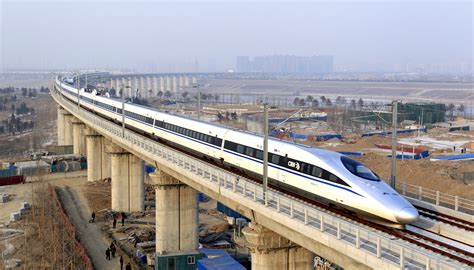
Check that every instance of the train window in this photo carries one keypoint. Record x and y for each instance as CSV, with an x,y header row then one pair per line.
x,y
316,171
359,169
250,151
240,148
275,159
218,142
332,178
259,154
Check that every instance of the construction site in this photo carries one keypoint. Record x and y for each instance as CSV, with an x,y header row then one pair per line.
x,y
46,221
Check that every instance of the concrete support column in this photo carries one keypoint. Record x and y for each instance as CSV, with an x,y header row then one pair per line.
x,y
142,87
272,251
68,129
94,155
175,84
105,160
129,89
128,187
195,80
135,84
186,80
118,83
155,87
176,214
61,125
120,181
79,143
162,84
168,83
181,82
149,88
136,184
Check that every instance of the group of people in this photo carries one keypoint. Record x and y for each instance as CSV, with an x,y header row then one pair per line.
x,y
111,250
110,253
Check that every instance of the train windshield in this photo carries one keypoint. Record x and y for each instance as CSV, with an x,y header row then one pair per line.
x,y
359,169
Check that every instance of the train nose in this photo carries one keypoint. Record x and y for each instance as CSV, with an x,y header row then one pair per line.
x,y
406,215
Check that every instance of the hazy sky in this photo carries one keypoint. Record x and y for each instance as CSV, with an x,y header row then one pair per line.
x,y
173,35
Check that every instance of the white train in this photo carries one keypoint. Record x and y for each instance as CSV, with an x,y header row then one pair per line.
x,y
310,172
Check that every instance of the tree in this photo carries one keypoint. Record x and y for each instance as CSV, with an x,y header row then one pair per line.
x,y
185,95
13,108
309,99
296,101
24,92
461,109
315,103
216,97
168,94
353,104
323,99
451,108
302,102
328,102
360,103
160,94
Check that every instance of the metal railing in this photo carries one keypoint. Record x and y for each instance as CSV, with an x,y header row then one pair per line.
x,y
437,198
291,212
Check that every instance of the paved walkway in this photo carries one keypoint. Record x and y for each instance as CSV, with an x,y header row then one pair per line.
x,y
89,234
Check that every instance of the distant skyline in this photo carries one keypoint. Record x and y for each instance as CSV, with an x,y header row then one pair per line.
x,y
161,36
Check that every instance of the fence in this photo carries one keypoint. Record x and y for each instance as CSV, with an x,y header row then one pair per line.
x,y
289,211
437,198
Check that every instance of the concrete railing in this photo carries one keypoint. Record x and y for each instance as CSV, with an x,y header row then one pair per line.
x,y
436,198
286,210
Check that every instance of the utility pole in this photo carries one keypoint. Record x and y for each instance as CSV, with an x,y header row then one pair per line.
x,y
394,143
123,109
265,151
199,100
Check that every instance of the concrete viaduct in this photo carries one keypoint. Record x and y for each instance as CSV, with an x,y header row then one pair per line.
x,y
284,232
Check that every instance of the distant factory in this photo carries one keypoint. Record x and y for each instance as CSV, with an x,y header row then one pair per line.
x,y
286,64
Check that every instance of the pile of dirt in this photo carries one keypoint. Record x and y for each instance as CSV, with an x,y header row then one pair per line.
x,y
98,195
445,176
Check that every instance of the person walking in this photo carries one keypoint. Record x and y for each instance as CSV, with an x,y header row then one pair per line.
x,y
115,222
123,218
121,262
93,217
113,250
128,267
107,254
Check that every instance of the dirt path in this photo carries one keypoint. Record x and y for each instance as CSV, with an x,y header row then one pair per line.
x,y
89,234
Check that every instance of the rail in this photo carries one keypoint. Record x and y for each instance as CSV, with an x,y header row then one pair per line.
x,y
436,197
395,252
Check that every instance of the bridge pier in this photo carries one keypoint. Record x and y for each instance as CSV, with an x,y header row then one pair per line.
x,y
162,84
79,144
186,80
168,83
128,187
61,124
272,251
155,87
176,214
94,155
68,129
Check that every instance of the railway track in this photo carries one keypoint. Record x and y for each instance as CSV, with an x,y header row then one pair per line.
x,y
453,221
433,245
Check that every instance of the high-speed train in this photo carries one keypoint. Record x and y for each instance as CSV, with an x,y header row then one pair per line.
x,y
310,172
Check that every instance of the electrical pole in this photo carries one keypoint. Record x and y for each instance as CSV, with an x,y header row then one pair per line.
x,y
199,100
265,150
394,143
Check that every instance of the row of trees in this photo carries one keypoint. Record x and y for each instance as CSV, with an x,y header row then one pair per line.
x,y
460,109
15,125
327,102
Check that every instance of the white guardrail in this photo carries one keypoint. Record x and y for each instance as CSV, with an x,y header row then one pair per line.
x,y
436,198
395,252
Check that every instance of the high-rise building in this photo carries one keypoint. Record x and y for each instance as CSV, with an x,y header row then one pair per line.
x,y
286,64
243,64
